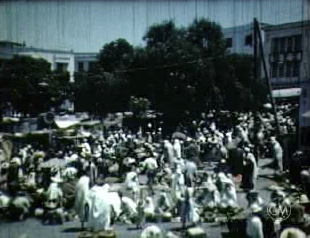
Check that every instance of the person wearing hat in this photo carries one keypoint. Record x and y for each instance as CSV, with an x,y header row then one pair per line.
x,y
152,231
292,233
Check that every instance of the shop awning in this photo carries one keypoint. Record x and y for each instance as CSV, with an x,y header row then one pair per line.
x,y
287,92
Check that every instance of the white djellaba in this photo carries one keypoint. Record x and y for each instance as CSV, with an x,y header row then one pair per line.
x,y
177,186
228,193
100,209
168,151
152,232
132,183
177,149
82,197
149,209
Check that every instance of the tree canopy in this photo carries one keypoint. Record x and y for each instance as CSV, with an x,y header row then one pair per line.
x,y
180,70
29,86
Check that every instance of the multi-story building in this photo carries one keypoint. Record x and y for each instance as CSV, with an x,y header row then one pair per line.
x,y
286,49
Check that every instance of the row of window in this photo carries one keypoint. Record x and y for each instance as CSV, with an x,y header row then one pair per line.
x,y
286,44
247,41
286,69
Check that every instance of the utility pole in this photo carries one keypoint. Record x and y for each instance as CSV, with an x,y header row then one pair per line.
x,y
262,56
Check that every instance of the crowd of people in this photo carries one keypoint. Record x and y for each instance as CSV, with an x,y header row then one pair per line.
x,y
191,176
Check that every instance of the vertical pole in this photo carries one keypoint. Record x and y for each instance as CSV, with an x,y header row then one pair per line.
x,y
255,72
261,49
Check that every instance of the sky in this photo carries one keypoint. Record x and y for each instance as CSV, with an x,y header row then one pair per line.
x,y
86,25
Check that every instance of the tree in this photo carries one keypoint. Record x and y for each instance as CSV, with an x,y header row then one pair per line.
x,y
29,85
116,55
100,92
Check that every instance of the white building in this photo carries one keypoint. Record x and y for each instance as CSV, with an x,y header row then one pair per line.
x,y
286,50
66,61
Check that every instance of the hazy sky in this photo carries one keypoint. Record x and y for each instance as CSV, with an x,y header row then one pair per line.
x,y
86,25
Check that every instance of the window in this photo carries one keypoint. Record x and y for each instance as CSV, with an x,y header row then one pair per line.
x,y
282,44
296,69
229,42
275,45
288,70
62,67
274,73
281,70
248,40
81,66
289,44
298,43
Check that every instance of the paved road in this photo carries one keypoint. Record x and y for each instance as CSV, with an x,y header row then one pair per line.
x,y
34,229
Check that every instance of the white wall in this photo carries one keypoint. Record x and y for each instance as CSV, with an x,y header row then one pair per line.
x,y
54,58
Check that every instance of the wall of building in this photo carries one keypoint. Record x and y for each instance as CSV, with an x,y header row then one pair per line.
x,y
238,37
288,57
53,57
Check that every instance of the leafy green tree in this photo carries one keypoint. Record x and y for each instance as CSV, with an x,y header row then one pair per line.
x,y
29,85
116,55
99,92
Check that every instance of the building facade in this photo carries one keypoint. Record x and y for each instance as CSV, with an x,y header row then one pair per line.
x,y
66,61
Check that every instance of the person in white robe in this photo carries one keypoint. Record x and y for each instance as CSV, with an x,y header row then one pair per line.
x,y
177,149
168,152
82,198
211,196
227,192
163,203
5,201
277,153
152,232
54,193
177,186
132,184
149,208
54,200
100,209
129,209
251,159
254,225
189,211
